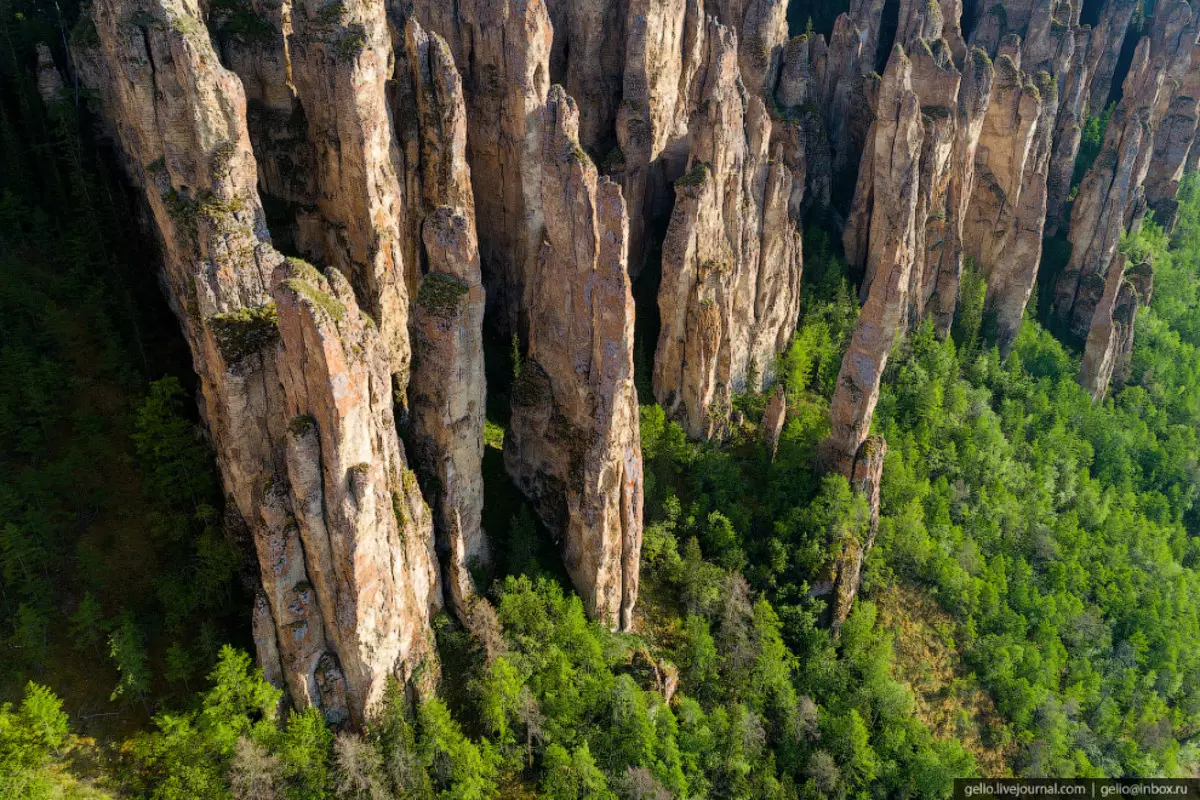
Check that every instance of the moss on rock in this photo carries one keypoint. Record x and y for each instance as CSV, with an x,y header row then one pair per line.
x,y
242,333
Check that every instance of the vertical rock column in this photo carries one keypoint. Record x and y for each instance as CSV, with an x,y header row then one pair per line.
x,y
503,49
887,192
730,291
588,59
1173,141
1109,348
574,447
1111,196
366,530
1007,205
253,37
663,53
338,614
447,391
340,63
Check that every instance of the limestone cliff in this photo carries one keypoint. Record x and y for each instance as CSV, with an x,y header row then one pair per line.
x,y
1112,195
731,262
502,48
884,243
295,383
574,447
447,391
1109,346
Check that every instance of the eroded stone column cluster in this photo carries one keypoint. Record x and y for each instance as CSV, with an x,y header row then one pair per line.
x,y
967,161
417,152
296,381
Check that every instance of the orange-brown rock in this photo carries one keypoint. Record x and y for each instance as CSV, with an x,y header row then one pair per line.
x,y
340,63
1109,348
324,497
573,447
774,416
886,195
366,530
503,49
447,391
730,290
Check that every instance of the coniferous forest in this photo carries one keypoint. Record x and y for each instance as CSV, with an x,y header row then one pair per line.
x,y
1030,570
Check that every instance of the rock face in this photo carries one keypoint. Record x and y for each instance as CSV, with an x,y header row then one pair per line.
x,y
366,531
295,383
49,79
1112,195
886,195
588,60
340,64
1109,348
573,447
774,417
664,52
731,265
447,391
503,49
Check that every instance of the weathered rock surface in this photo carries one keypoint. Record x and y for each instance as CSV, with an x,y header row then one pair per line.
x,y
447,391
774,416
1112,196
573,447
1174,140
664,53
886,196
1109,348
366,530
731,263
344,540
250,37
502,48
49,79
588,60
340,62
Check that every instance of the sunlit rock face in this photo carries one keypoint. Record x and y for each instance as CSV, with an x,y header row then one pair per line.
x,y
574,445
296,382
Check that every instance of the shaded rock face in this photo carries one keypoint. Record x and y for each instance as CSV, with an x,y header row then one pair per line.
x,y
886,195
731,263
447,391
1007,213
665,49
1173,142
503,49
343,538
49,79
573,447
1109,348
774,417
251,40
588,60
